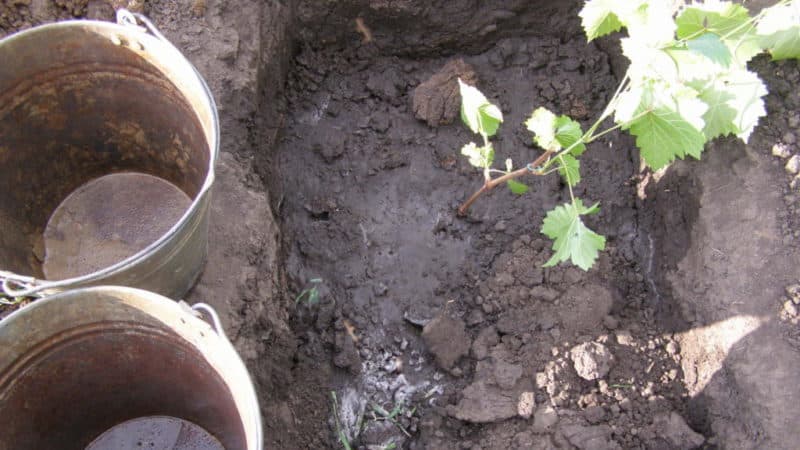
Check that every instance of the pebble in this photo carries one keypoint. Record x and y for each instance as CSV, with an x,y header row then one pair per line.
x,y
789,138
526,404
672,347
793,165
624,338
591,360
781,150
789,308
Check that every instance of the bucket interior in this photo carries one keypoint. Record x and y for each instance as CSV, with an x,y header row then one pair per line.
x,y
79,102
69,383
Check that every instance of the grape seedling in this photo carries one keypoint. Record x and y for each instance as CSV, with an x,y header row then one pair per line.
x,y
687,83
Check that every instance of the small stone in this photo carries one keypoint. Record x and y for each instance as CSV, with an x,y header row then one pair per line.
x,y
591,360
526,404
789,138
789,308
672,348
610,322
781,150
793,165
794,121
624,338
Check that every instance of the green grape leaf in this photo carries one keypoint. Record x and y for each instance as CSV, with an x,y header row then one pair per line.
x,y
490,118
650,21
710,46
599,19
721,18
570,169
516,187
748,91
477,112
568,132
720,116
663,134
480,157
572,240
780,30
542,124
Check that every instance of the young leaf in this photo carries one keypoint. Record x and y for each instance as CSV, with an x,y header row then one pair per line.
x,y
780,28
490,118
517,187
599,19
710,46
747,90
721,18
572,239
480,157
570,169
650,22
542,124
478,113
568,132
720,117
662,135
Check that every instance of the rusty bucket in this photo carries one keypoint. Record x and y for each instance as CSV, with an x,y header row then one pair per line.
x,y
80,363
83,100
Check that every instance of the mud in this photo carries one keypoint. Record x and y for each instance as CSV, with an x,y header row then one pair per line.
x,y
681,337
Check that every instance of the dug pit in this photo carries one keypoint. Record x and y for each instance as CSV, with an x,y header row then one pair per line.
x,y
327,153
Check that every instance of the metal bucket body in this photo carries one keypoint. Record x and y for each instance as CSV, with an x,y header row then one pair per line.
x,y
78,363
82,99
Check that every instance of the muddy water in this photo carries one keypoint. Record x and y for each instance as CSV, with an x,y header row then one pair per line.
x,y
107,220
156,433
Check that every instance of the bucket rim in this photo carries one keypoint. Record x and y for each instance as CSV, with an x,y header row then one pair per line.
x,y
176,58
180,309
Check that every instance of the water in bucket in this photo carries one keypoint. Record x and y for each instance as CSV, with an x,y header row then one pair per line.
x,y
107,220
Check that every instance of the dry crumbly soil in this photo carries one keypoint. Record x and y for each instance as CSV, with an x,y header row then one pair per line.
x,y
441,332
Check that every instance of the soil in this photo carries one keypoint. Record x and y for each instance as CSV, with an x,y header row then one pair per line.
x,y
341,165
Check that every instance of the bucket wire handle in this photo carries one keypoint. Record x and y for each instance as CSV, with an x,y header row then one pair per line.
x,y
17,287
130,19
212,313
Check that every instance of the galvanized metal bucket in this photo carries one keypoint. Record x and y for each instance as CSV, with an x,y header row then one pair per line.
x,y
77,363
82,99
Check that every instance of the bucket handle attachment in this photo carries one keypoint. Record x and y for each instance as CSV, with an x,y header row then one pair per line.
x,y
16,287
199,308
